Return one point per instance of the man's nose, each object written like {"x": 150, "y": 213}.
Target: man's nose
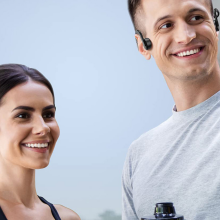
{"x": 40, "y": 127}
{"x": 184, "y": 33}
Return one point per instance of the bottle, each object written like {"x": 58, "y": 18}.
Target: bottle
{"x": 164, "y": 211}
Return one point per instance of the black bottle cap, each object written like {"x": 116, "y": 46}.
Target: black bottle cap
{"x": 164, "y": 211}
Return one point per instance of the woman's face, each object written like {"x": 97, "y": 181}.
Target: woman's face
{"x": 28, "y": 128}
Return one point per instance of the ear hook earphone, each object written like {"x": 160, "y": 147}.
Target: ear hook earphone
{"x": 146, "y": 42}
{"x": 216, "y": 15}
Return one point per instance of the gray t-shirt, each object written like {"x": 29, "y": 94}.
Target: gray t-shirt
{"x": 179, "y": 162}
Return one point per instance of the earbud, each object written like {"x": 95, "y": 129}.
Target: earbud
{"x": 216, "y": 15}
{"x": 146, "y": 42}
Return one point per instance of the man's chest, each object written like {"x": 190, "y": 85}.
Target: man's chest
{"x": 186, "y": 173}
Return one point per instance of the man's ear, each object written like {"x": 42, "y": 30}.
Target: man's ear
{"x": 145, "y": 53}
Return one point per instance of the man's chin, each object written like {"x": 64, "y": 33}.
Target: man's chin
{"x": 187, "y": 74}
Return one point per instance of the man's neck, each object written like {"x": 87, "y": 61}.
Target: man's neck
{"x": 188, "y": 94}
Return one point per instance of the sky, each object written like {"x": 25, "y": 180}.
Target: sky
{"x": 106, "y": 93}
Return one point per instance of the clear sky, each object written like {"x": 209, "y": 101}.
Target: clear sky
{"x": 107, "y": 94}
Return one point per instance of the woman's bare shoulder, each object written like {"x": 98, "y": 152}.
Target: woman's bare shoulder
{"x": 66, "y": 214}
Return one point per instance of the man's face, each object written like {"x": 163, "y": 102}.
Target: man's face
{"x": 177, "y": 28}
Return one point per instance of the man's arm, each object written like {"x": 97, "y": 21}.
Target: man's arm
{"x": 128, "y": 209}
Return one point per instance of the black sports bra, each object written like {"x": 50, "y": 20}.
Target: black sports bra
{"x": 53, "y": 210}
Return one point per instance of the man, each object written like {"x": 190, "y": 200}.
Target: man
{"x": 178, "y": 161}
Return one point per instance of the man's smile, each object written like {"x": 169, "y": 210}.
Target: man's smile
{"x": 189, "y": 53}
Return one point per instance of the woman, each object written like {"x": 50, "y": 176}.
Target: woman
{"x": 28, "y": 134}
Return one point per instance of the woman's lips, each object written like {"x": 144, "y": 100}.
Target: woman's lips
{"x": 36, "y": 149}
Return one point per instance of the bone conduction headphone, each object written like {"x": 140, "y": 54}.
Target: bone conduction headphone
{"x": 216, "y": 15}
{"x": 148, "y": 44}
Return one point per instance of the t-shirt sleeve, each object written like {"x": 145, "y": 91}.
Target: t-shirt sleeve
{"x": 128, "y": 209}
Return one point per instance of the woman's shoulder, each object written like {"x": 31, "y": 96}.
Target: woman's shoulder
{"x": 66, "y": 213}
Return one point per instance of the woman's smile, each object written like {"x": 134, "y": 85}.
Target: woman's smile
{"x": 40, "y": 146}
{"x": 36, "y": 149}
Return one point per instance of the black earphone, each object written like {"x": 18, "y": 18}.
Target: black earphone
{"x": 148, "y": 44}
{"x": 216, "y": 15}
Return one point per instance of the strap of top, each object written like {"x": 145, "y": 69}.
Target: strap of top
{"x": 2, "y": 215}
{"x": 53, "y": 210}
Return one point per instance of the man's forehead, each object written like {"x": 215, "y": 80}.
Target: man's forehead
{"x": 155, "y": 7}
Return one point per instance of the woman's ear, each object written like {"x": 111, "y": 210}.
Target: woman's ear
{"x": 142, "y": 50}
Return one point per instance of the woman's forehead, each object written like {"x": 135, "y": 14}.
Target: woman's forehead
{"x": 28, "y": 92}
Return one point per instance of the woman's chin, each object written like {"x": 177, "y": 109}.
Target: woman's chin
{"x": 42, "y": 166}
{"x": 36, "y": 166}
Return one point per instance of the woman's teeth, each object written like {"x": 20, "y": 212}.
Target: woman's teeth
{"x": 37, "y": 145}
{"x": 189, "y": 52}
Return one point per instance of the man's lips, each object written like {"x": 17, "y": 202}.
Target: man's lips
{"x": 189, "y": 56}
{"x": 188, "y": 49}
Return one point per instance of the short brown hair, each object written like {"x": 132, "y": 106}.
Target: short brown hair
{"x": 134, "y": 5}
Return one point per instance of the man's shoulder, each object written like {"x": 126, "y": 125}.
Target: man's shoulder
{"x": 145, "y": 143}
{"x": 66, "y": 213}
{"x": 150, "y": 136}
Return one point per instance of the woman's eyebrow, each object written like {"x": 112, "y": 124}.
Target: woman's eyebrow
{"x": 24, "y": 108}
{"x": 49, "y": 107}
{"x": 32, "y": 109}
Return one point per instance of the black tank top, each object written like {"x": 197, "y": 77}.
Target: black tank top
{"x": 53, "y": 210}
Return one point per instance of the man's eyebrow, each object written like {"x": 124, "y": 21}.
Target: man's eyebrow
{"x": 195, "y": 9}
{"x": 162, "y": 18}
{"x": 27, "y": 108}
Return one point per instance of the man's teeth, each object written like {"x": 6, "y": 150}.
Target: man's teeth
{"x": 189, "y": 52}
{"x": 37, "y": 145}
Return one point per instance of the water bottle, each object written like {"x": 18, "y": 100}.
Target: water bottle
{"x": 164, "y": 211}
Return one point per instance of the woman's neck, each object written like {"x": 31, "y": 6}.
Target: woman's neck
{"x": 17, "y": 184}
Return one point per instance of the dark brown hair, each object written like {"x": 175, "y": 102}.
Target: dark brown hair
{"x": 12, "y": 75}
{"x": 133, "y": 6}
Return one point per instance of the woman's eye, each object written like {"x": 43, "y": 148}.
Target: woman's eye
{"x": 48, "y": 115}
{"x": 196, "y": 18}
{"x": 23, "y": 115}
{"x": 167, "y": 25}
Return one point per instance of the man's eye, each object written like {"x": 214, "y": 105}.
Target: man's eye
{"x": 196, "y": 18}
{"x": 167, "y": 25}
{"x": 48, "y": 115}
{"x": 23, "y": 115}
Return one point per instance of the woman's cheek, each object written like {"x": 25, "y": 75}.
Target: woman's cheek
{"x": 55, "y": 131}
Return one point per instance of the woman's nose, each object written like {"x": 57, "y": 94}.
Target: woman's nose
{"x": 40, "y": 127}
